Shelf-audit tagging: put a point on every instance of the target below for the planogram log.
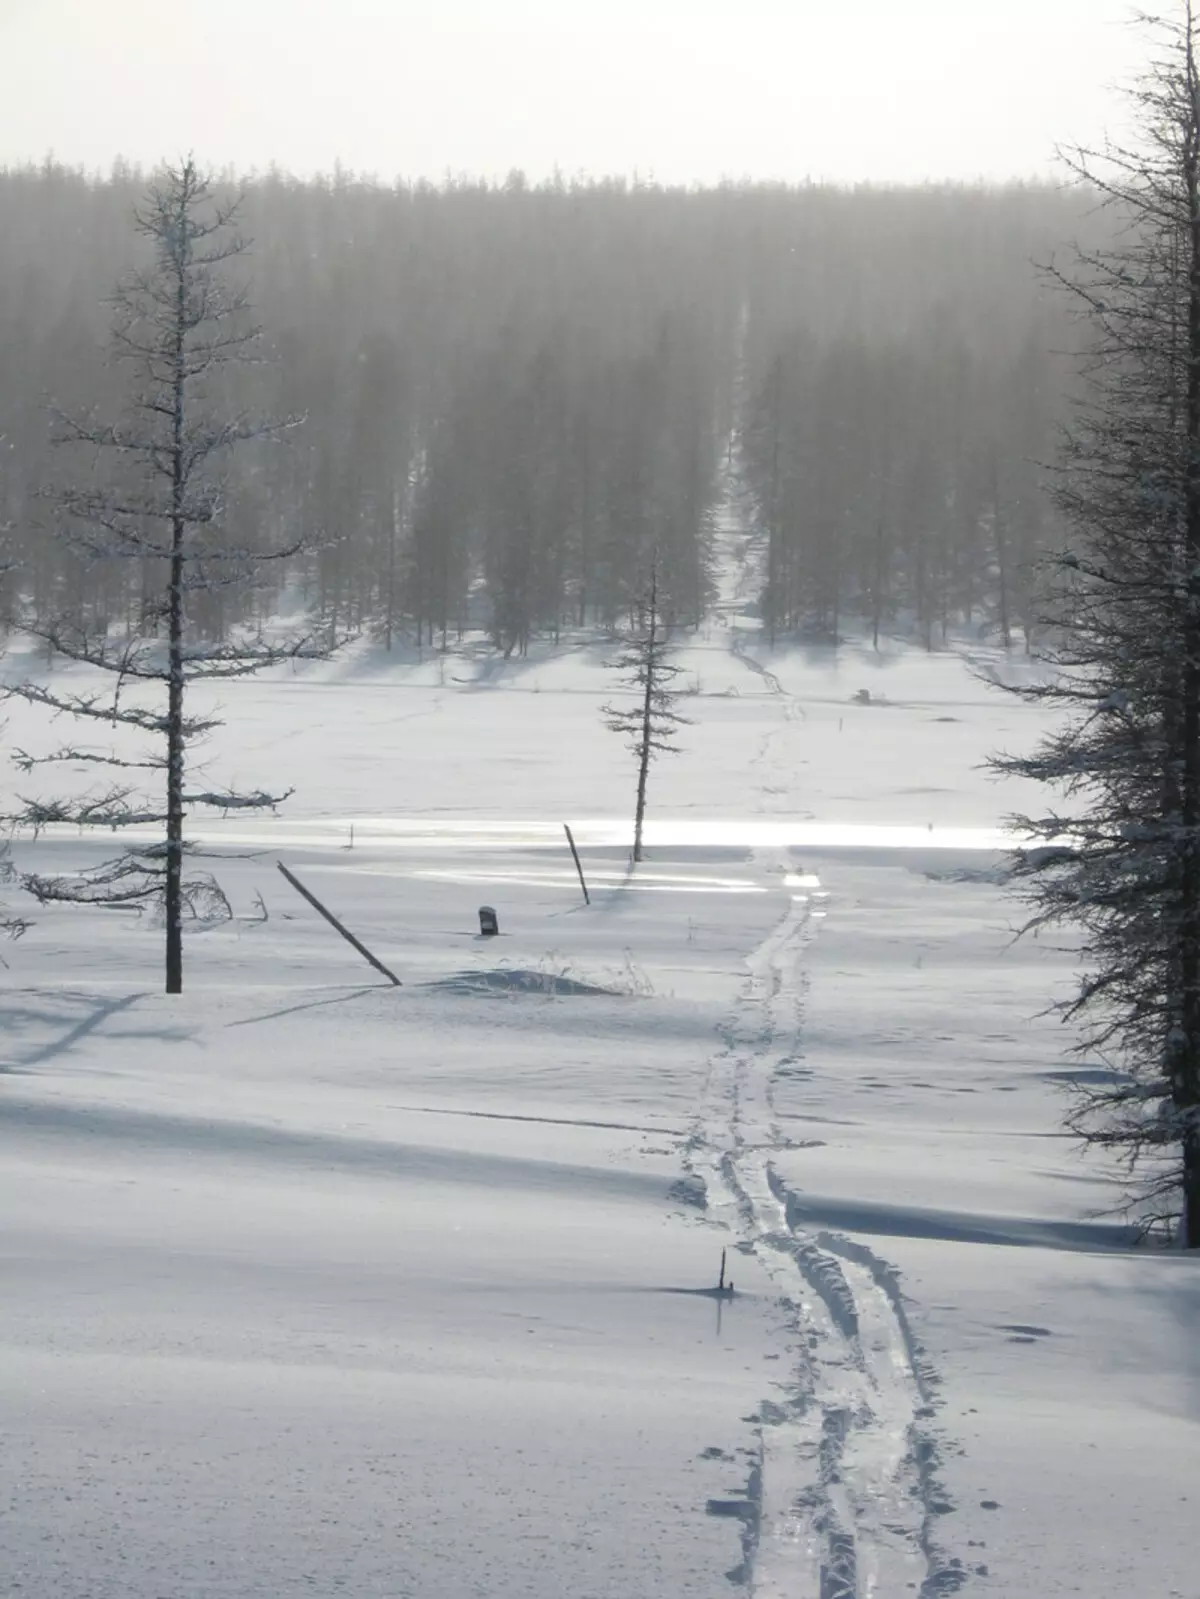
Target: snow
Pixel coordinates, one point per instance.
(316, 1285)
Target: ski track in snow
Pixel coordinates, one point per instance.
(845, 1496)
(846, 1492)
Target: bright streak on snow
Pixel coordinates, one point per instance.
(690, 888)
(680, 885)
(802, 880)
(661, 882)
(645, 879)
(316, 832)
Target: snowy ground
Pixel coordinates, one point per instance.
(315, 1286)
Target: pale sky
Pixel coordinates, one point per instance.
(680, 90)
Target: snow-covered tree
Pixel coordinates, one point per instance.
(650, 721)
(149, 492)
(1120, 857)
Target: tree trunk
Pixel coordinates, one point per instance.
(1001, 562)
(393, 533)
(640, 809)
(174, 863)
(173, 889)
(1185, 1073)
(647, 718)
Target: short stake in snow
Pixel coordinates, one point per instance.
(587, 898)
(724, 1287)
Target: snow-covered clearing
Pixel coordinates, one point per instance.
(313, 1285)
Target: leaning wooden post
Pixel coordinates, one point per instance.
(587, 898)
(333, 922)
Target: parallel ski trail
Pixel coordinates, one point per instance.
(844, 1484)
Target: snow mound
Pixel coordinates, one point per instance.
(517, 980)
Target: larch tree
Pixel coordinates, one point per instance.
(150, 492)
(649, 721)
(1118, 855)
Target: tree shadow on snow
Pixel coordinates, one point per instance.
(19, 1018)
(339, 998)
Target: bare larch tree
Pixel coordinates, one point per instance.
(650, 721)
(151, 493)
(1121, 859)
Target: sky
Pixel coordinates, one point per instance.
(682, 91)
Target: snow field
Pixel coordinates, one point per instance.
(315, 1285)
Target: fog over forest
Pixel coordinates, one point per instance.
(515, 397)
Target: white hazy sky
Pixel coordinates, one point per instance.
(682, 90)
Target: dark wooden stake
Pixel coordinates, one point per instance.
(333, 922)
(587, 898)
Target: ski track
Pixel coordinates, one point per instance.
(739, 568)
(846, 1494)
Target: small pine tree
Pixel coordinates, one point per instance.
(651, 720)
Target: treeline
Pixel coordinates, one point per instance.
(513, 396)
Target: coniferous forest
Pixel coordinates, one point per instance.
(510, 397)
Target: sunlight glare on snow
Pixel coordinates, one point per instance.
(593, 832)
(651, 883)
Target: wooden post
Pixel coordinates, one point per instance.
(333, 922)
(587, 898)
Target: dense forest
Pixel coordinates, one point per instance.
(512, 396)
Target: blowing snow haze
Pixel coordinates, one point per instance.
(527, 545)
